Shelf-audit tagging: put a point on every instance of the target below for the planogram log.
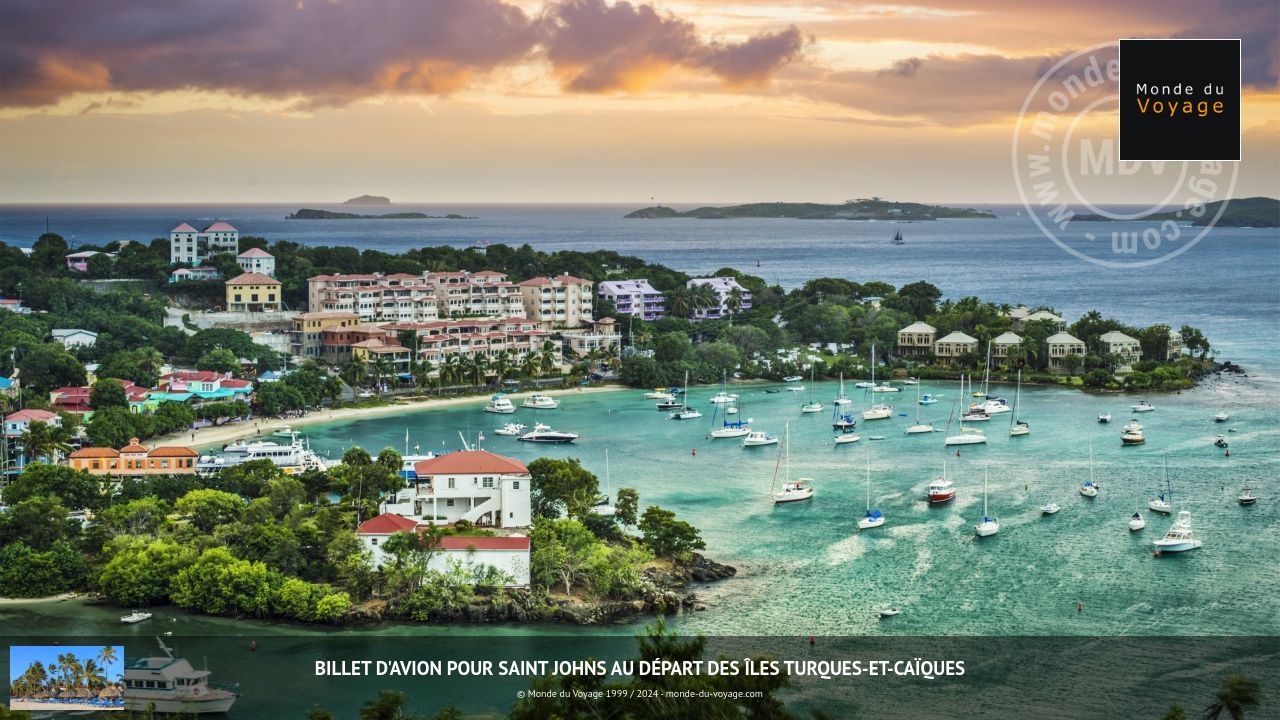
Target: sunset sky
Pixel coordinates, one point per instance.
(562, 100)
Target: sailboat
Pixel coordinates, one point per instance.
(897, 239)
(841, 398)
(812, 406)
(919, 427)
(878, 411)
(605, 507)
(1161, 503)
(684, 412)
(1090, 489)
(1018, 428)
(967, 436)
(986, 375)
(790, 491)
(873, 518)
(728, 428)
(989, 525)
(723, 397)
(1136, 522)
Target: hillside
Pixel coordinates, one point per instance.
(1243, 212)
(872, 209)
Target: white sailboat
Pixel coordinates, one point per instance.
(605, 507)
(790, 491)
(873, 518)
(684, 412)
(842, 399)
(1090, 489)
(986, 375)
(1018, 428)
(877, 411)
(812, 406)
(724, 397)
(967, 436)
(728, 428)
(1163, 503)
(989, 525)
(919, 427)
(1136, 522)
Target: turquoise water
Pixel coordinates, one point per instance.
(806, 569)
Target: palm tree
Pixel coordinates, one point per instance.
(1238, 694)
(47, 442)
(680, 302)
(479, 368)
(501, 365)
(547, 361)
(734, 302)
(355, 371)
(529, 364)
(107, 655)
(383, 367)
(703, 297)
(92, 675)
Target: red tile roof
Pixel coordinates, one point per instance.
(253, 279)
(95, 452)
(173, 451)
(470, 462)
(255, 253)
(32, 415)
(387, 524)
(484, 543)
(220, 227)
(183, 228)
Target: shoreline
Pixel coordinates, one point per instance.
(221, 434)
(60, 597)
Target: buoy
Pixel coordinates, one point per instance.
(1228, 454)
(812, 641)
(253, 646)
(957, 453)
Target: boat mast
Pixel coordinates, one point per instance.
(1090, 460)
(984, 493)
(868, 478)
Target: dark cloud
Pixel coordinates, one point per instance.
(334, 51)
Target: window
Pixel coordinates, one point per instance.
(453, 484)
(515, 485)
(448, 503)
(487, 482)
(237, 297)
(373, 541)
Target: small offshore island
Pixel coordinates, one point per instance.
(1254, 212)
(862, 209)
(313, 214)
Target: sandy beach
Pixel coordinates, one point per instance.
(47, 598)
(220, 435)
(37, 705)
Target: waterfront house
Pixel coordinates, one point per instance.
(184, 385)
(563, 301)
(602, 334)
(1061, 345)
(1058, 323)
(71, 338)
(376, 350)
(473, 485)
(1174, 348)
(253, 292)
(1003, 343)
(203, 272)
(916, 339)
(257, 260)
(955, 344)
(134, 460)
(1128, 348)
(192, 247)
(725, 288)
(636, 298)
(510, 554)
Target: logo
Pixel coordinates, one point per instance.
(1072, 181)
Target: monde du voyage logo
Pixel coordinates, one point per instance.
(1171, 161)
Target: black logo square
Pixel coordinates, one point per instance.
(1179, 99)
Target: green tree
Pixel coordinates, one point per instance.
(627, 506)
(49, 253)
(562, 485)
(1237, 695)
(106, 393)
(139, 571)
(111, 427)
(668, 536)
(49, 366)
(220, 360)
(74, 489)
(29, 572)
(207, 509)
(563, 552)
(672, 347)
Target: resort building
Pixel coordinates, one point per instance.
(955, 344)
(1128, 348)
(257, 260)
(473, 485)
(1174, 350)
(134, 460)
(192, 247)
(509, 555)
(600, 335)
(204, 272)
(79, 261)
(486, 337)
(636, 298)
(337, 342)
(1058, 323)
(15, 424)
(731, 298)
(563, 301)
(399, 297)
(375, 351)
(306, 330)
(71, 338)
(484, 293)
(916, 339)
(253, 292)
(1003, 343)
(1062, 345)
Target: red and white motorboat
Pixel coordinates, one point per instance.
(942, 489)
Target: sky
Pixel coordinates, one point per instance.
(571, 101)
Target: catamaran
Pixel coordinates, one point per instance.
(873, 518)
(919, 427)
(989, 525)
(1179, 538)
(1018, 428)
(790, 491)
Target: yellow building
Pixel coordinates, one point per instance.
(134, 459)
(253, 292)
(308, 329)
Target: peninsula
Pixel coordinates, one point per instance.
(1255, 212)
(863, 209)
(313, 214)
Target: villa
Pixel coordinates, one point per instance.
(1058, 323)
(474, 485)
(184, 385)
(253, 292)
(1003, 343)
(1128, 348)
(257, 260)
(636, 298)
(204, 272)
(75, 398)
(15, 424)
(955, 344)
(1062, 345)
(916, 339)
(599, 336)
(134, 460)
(725, 289)
(509, 555)
(192, 247)
(1175, 347)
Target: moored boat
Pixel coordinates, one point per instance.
(540, 402)
(1136, 522)
(500, 405)
(544, 434)
(170, 685)
(1180, 537)
(136, 616)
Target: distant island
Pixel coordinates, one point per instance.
(368, 200)
(1258, 212)
(312, 214)
(865, 209)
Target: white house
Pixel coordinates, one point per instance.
(1058, 323)
(191, 246)
(15, 424)
(1128, 348)
(600, 335)
(1003, 343)
(954, 345)
(1175, 345)
(507, 554)
(74, 337)
(257, 260)
(1060, 346)
(473, 485)
(725, 288)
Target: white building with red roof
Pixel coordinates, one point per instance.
(15, 424)
(473, 485)
(257, 260)
(509, 554)
(191, 246)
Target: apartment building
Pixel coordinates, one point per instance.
(307, 328)
(563, 301)
(726, 289)
(375, 297)
(253, 292)
(636, 298)
(191, 246)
